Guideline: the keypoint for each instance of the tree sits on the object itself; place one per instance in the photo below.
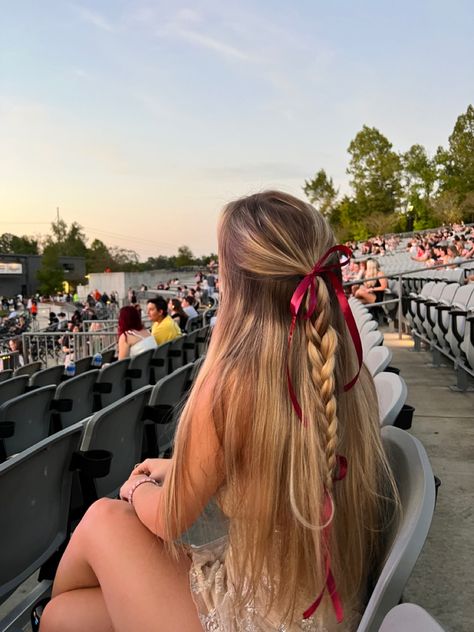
(185, 257)
(98, 257)
(50, 275)
(457, 162)
(321, 192)
(375, 169)
(12, 244)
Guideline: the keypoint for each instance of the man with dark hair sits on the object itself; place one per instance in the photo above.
(164, 328)
(188, 306)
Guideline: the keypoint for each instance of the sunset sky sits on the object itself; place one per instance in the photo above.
(141, 119)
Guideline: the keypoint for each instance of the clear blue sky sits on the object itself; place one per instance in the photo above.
(141, 119)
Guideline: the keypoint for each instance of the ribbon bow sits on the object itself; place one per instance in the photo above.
(308, 283)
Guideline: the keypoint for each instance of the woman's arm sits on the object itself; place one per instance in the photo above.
(123, 347)
(204, 467)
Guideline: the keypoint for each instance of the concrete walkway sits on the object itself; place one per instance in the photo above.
(443, 578)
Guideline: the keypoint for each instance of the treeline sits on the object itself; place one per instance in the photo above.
(397, 192)
(71, 241)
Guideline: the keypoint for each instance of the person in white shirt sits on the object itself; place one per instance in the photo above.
(188, 306)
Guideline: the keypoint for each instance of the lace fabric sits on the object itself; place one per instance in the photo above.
(214, 596)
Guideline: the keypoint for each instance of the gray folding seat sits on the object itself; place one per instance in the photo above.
(160, 362)
(190, 346)
(176, 354)
(108, 356)
(161, 414)
(391, 394)
(410, 618)
(369, 340)
(36, 488)
(6, 374)
(111, 383)
(117, 428)
(435, 308)
(444, 309)
(467, 345)
(28, 369)
(74, 399)
(462, 302)
(53, 375)
(202, 340)
(195, 322)
(378, 359)
(420, 319)
(139, 370)
(405, 539)
(30, 415)
(83, 365)
(414, 298)
(13, 387)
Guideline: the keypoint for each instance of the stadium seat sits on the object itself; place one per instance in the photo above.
(139, 369)
(415, 481)
(30, 414)
(28, 369)
(165, 398)
(370, 340)
(160, 362)
(108, 356)
(111, 383)
(391, 394)
(176, 354)
(195, 322)
(13, 387)
(52, 375)
(6, 374)
(378, 359)
(33, 523)
(83, 365)
(74, 399)
(410, 618)
(118, 428)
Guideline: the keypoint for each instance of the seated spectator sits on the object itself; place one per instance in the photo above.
(15, 344)
(133, 336)
(164, 328)
(188, 306)
(372, 291)
(268, 449)
(177, 312)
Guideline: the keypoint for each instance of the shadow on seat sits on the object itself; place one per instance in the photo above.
(414, 477)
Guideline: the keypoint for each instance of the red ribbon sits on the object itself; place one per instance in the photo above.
(308, 283)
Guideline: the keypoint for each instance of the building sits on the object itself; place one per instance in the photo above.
(18, 273)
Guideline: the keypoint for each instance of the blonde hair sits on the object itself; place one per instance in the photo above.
(278, 469)
(372, 270)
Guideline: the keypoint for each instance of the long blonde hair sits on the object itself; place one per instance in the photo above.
(278, 469)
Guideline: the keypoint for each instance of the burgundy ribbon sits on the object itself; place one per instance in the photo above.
(322, 268)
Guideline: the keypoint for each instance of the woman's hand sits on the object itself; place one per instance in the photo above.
(154, 468)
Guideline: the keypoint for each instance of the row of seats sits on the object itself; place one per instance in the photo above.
(28, 416)
(442, 314)
(390, 387)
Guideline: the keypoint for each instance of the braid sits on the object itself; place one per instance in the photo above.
(322, 344)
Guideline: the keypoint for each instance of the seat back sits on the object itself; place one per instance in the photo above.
(369, 340)
(111, 383)
(117, 428)
(378, 359)
(28, 369)
(74, 398)
(159, 362)
(6, 374)
(410, 618)
(391, 394)
(83, 365)
(53, 375)
(13, 387)
(415, 481)
(139, 370)
(165, 398)
(195, 322)
(176, 354)
(31, 415)
(33, 523)
(108, 356)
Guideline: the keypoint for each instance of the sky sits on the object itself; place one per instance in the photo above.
(141, 119)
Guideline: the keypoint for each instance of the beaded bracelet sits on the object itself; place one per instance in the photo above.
(148, 479)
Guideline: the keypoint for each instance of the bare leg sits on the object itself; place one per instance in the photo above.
(364, 295)
(132, 582)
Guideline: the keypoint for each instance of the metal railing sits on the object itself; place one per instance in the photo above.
(52, 347)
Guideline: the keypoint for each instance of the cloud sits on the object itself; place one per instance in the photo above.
(211, 43)
(95, 18)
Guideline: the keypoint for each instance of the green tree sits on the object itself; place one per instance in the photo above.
(12, 244)
(50, 275)
(375, 170)
(457, 162)
(98, 257)
(185, 257)
(321, 192)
